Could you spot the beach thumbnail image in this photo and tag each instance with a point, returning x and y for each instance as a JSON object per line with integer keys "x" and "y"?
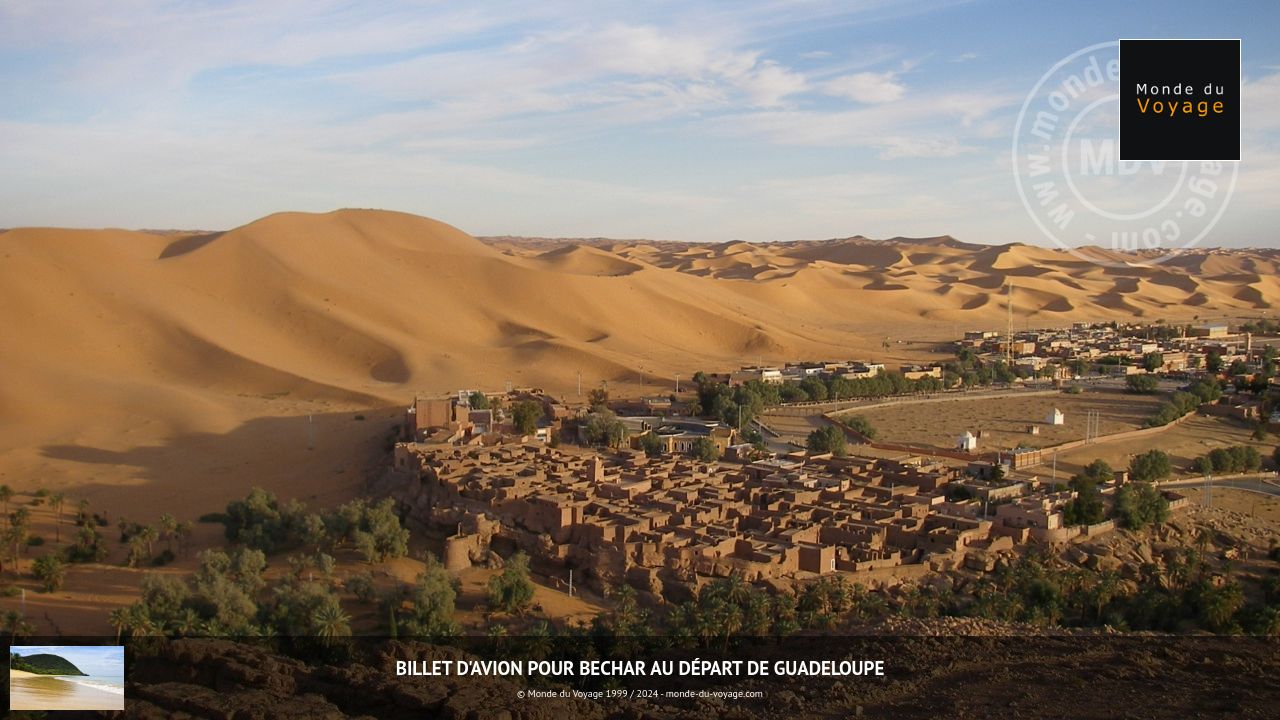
{"x": 66, "y": 677}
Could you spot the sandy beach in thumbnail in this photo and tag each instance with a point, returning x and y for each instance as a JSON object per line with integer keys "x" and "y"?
{"x": 28, "y": 691}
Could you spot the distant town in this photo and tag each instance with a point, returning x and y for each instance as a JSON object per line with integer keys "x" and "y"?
{"x": 660, "y": 491}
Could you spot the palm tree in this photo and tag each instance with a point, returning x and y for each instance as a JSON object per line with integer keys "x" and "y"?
{"x": 55, "y": 501}
{"x": 168, "y": 529}
{"x": 121, "y": 619}
{"x": 187, "y": 622}
{"x": 183, "y": 533}
{"x": 18, "y": 524}
{"x": 137, "y": 550}
{"x": 16, "y": 624}
{"x": 140, "y": 622}
{"x": 6, "y": 494}
{"x": 538, "y": 642}
{"x": 330, "y": 621}
{"x": 149, "y": 535}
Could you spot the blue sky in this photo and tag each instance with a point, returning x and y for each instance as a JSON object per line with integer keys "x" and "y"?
{"x": 668, "y": 120}
{"x": 105, "y": 660}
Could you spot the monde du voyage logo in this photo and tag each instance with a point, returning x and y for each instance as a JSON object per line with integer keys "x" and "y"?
{"x": 1129, "y": 145}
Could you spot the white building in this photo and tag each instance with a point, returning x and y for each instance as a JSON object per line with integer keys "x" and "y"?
{"x": 968, "y": 442}
{"x": 1056, "y": 417}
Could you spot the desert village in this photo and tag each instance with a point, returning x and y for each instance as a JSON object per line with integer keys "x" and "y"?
{"x": 660, "y": 521}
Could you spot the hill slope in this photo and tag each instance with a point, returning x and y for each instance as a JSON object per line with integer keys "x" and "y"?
{"x": 43, "y": 664}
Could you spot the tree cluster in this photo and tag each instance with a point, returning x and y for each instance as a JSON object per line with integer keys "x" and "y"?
{"x": 1182, "y": 403}
{"x": 1234, "y": 459}
{"x": 260, "y": 521}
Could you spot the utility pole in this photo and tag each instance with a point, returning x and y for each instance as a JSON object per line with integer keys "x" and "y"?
{"x": 579, "y": 383}
{"x": 677, "y": 383}
{"x": 311, "y": 432}
{"x": 570, "y": 582}
{"x": 1008, "y": 337}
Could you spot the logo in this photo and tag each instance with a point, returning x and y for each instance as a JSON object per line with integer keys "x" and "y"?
{"x": 1071, "y": 180}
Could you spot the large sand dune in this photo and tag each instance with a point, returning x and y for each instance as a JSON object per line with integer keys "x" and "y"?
{"x": 174, "y": 368}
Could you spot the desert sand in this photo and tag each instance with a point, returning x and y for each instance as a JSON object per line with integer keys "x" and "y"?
{"x": 170, "y": 372}
{"x": 28, "y": 691}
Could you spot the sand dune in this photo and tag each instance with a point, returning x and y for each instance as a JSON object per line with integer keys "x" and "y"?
{"x": 144, "y": 361}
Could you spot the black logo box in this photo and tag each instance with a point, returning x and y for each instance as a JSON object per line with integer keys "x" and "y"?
{"x": 1186, "y": 69}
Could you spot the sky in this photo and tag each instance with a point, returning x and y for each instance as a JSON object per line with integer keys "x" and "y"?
{"x": 105, "y": 660}
{"x": 705, "y": 121}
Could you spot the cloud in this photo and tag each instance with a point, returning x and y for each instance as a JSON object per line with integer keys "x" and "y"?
{"x": 867, "y": 87}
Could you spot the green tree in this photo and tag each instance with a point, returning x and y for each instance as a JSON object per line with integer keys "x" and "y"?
{"x": 168, "y": 527}
{"x": 1142, "y": 384}
{"x": 478, "y": 401}
{"x": 1150, "y": 466}
{"x": 598, "y": 398}
{"x": 1140, "y": 504}
{"x": 525, "y": 415}
{"x": 329, "y": 621}
{"x": 1152, "y": 361}
{"x": 183, "y": 532}
{"x": 705, "y": 450}
{"x": 56, "y": 501}
{"x": 511, "y": 591}
{"x": 862, "y": 425}
{"x": 6, "y": 494}
{"x": 651, "y": 444}
{"x": 361, "y": 585}
{"x": 604, "y": 428}
{"x": 827, "y": 438}
{"x": 1086, "y": 508}
{"x": 120, "y": 620}
{"x": 50, "y": 571}
{"x": 432, "y": 598}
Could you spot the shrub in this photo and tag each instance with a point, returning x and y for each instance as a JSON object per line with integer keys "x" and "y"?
{"x": 215, "y": 518}
{"x": 1142, "y": 384}
{"x": 862, "y": 425}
